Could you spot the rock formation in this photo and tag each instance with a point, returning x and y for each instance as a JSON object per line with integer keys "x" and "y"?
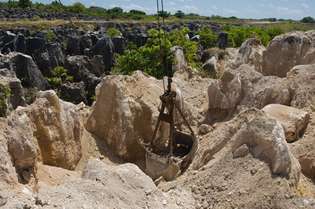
{"x": 286, "y": 51}
{"x": 251, "y": 53}
{"x": 294, "y": 121}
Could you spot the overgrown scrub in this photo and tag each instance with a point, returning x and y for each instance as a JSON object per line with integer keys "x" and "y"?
{"x": 238, "y": 34}
{"x": 50, "y": 36}
{"x": 208, "y": 38}
{"x": 113, "y": 32}
{"x": 59, "y": 76}
{"x": 4, "y": 96}
{"x": 148, "y": 57}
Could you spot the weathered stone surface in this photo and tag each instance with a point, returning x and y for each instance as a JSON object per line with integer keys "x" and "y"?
{"x": 286, "y": 51}
{"x": 130, "y": 115}
{"x": 58, "y": 130}
{"x": 22, "y": 145}
{"x": 123, "y": 186}
{"x": 179, "y": 57}
{"x": 242, "y": 163}
{"x": 251, "y": 53}
{"x": 266, "y": 140}
{"x": 73, "y": 92}
{"x": 210, "y": 67}
{"x": 224, "y": 95}
{"x": 7, "y": 170}
{"x": 264, "y": 137}
{"x": 293, "y": 121}
{"x": 27, "y": 71}
{"x": 82, "y": 69}
{"x": 105, "y": 47}
{"x": 8, "y": 79}
{"x": 243, "y": 88}
{"x": 302, "y": 83}
{"x": 49, "y": 130}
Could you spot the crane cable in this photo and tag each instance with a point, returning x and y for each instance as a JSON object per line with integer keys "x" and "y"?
{"x": 162, "y": 43}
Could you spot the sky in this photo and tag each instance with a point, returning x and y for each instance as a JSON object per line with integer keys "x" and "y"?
{"x": 288, "y": 9}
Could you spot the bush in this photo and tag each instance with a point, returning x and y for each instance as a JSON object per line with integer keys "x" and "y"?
{"x": 148, "y": 57}
{"x": 164, "y": 14}
{"x": 4, "y": 95}
{"x": 237, "y": 35}
{"x": 308, "y": 20}
{"x": 77, "y": 8}
{"x": 208, "y": 38}
{"x": 179, "y": 14}
{"x": 178, "y": 38}
{"x": 115, "y": 12}
{"x": 59, "y": 76}
{"x": 50, "y": 36}
{"x": 56, "y": 6}
{"x": 113, "y": 32}
{"x": 12, "y": 4}
{"x": 136, "y": 12}
{"x": 24, "y": 3}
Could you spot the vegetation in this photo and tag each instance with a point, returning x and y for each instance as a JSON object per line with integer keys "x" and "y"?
{"x": 238, "y": 34}
{"x": 208, "y": 38}
{"x": 59, "y": 76}
{"x": 24, "y": 3}
{"x": 179, "y": 14}
{"x": 148, "y": 58}
{"x": 50, "y": 36}
{"x": 77, "y": 8}
{"x": 308, "y": 20}
{"x": 113, "y": 32}
{"x": 4, "y": 95}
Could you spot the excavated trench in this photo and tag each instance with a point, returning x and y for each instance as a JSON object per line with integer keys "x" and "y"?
{"x": 160, "y": 164}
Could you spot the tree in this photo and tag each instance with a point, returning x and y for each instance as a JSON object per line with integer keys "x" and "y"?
{"x": 77, "y": 8}
{"x": 179, "y": 14}
{"x": 25, "y": 3}
{"x": 115, "y": 10}
{"x": 137, "y": 12}
{"x": 164, "y": 14}
{"x": 308, "y": 20}
{"x": 12, "y": 4}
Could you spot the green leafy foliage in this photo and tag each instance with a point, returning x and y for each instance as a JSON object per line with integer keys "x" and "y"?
{"x": 136, "y": 12}
{"x": 50, "y": 36}
{"x": 148, "y": 57}
{"x": 4, "y": 95}
{"x": 208, "y": 38}
{"x": 113, "y": 32}
{"x": 179, "y": 14}
{"x": 308, "y": 20}
{"x": 239, "y": 34}
{"x": 59, "y": 76}
{"x": 164, "y": 14}
{"x": 178, "y": 38}
{"x": 77, "y": 8}
{"x": 24, "y": 3}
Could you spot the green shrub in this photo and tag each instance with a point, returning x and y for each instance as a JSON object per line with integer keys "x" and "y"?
{"x": 178, "y": 38}
{"x": 308, "y": 20}
{"x": 238, "y": 34}
{"x": 4, "y": 95}
{"x": 77, "y": 8}
{"x": 136, "y": 12}
{"x": 24, "y": 3}
{"x": 148, "y": 57}
{"x": 113, "y": 32}
{"x": 179, "y": 14}
{"x": 59, "y": 76}
{"x": 50, "y": 36}
{"x": 208, "y": 38}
